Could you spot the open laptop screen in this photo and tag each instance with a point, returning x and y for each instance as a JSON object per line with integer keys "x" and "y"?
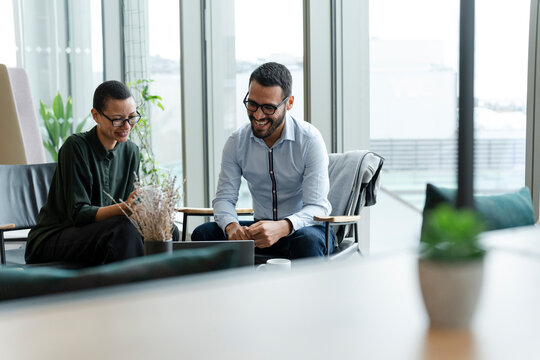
{"x": 246, "y": 248}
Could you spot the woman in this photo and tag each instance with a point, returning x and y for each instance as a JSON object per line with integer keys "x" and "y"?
{"x": 79, "y": 223}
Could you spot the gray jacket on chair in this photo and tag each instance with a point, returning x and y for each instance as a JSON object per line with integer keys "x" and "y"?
{"x": 354, "y": 183}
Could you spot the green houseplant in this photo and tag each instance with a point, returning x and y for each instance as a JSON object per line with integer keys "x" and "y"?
{"x": 451, "y": 234}
{"x": 141, "y": 133}
{"x": 451, "y": 265}
{"x": 58, "y": 124}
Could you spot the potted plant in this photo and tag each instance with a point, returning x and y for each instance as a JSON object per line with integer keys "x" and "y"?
{"x": 142, "y": 134}
{"x": 58, "y": 124}
{"x": 451, "y": 265}
{"x": 153, "y": 213}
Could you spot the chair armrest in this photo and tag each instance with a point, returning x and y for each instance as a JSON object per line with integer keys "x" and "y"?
{"x": 7, "y": 226}
{"x": 337, "y": 219}
{"x": 208, "y": 211}
{"x": 195, "y": 211}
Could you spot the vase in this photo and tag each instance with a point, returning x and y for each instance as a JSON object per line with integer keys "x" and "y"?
{"x": 450, "y": 290}
{"x": 158, "y": 247}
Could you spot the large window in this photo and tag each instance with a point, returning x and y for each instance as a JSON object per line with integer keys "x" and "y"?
{"x": 245, "y": 34}
{"x": 164, "y": 69}
{"x": 8, "y": 49}
{"x": 60, "y": 50}
{"x": 414, "y": 70}
{"x": 501, "y": 94}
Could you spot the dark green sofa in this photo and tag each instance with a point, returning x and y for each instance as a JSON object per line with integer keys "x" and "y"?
{"x": 19, "y": 282}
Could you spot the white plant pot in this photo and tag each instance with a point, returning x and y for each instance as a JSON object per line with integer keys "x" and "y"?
{"x": 451, "y": 290}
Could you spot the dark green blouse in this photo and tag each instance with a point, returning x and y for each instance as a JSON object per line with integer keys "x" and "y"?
{"x": 85, "y": 171}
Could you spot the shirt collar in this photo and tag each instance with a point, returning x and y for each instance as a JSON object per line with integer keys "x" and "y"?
{"x": 98, "y": 146}
{"x": 288, "y": 130}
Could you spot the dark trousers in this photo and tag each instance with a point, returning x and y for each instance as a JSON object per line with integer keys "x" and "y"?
{"x": 305, "y": 242}
{"x": 101, "y": 242}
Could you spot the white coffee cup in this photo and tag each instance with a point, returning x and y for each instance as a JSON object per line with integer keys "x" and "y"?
{"x": 276, "y": 264}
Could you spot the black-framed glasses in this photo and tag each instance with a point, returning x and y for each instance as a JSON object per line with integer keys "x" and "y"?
{"x": 132, "y": 120}
{"x": 267, "y": 109}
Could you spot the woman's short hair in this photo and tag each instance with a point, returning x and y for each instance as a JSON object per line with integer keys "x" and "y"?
{"x": 111, "y": 89}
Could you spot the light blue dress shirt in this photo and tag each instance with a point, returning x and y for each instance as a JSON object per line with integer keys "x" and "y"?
{"x": 296, "y": 168}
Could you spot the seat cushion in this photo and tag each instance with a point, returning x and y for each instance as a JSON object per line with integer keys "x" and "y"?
{"x": 498, "y": 211}
{"x": 18, "y": 282}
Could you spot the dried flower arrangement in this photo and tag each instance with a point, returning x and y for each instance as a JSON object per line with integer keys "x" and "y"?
{"x": 153, "y": 212}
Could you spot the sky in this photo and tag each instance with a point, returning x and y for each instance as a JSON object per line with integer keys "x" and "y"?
{"x": 261, "y": 28}
{"x": 502, "y": 32}
{"x": 264, "y": 28}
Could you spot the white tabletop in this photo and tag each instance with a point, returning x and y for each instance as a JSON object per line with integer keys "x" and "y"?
{"x": 524, "y": 240}
{"x": 369, "y": 309}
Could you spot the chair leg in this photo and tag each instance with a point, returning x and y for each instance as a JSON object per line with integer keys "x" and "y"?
{"x": 327, "y": 238}
{"x": 184, "y": 227}
{"x": 356, "y": 238}
{"x": 3, "y": 249}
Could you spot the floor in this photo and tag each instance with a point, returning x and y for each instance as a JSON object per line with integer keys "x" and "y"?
{"x": 394, "y": 225}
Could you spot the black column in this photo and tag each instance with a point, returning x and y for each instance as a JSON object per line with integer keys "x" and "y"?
{"x": 466, "y": 105}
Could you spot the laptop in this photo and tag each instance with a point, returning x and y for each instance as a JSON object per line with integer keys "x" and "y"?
{"x": 246, "y": 248}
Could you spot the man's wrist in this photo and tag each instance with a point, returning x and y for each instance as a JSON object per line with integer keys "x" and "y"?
{"x": 290, "y": 226}
{"x": 228, "y": 227}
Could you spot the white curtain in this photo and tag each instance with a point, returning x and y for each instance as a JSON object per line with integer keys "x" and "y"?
{"x": 136, "y": 54}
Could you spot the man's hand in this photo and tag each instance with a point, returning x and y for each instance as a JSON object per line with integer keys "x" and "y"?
{"x": 267, "y": 233}
{"x": 237, "y": 232}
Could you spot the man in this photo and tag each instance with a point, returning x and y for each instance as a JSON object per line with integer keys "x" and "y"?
{"x": 285, "y": 163}
{"x": 79, "y": 223}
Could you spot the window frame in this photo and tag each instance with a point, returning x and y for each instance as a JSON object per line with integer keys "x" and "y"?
{"x": 532, "y": 152}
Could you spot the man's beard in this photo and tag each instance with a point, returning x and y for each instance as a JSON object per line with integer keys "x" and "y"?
{"x": 274, "y": 124}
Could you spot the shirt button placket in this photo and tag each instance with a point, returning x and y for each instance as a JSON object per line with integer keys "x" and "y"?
{"x": 273, "y": 179}
{"x": 106, "y": 179}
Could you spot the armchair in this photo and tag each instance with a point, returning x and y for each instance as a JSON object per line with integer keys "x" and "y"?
{"x": 354, "y": 183}
{"x": 23, "y": 192}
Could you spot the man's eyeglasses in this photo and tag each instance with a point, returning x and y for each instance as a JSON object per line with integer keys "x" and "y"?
{"x": 132, "y": 120}
{"x": 267, "y": 109}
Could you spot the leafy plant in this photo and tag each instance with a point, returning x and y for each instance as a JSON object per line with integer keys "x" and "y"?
{"x": 58, "y": 124}
{"x": 451, "y": 234}
{"x": 141, "y": 133}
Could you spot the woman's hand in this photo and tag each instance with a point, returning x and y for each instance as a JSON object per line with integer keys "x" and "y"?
{"x": 132, "y": 201}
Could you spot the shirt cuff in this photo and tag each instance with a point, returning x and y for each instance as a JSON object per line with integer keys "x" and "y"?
{"x": 295, "y": 222}
{"x": 226, "y": 220}
{"x": 292, "y": 225}
{"x": 86, "y": 215}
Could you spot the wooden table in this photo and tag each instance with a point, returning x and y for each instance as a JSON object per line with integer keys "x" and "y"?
{"x": 359, "y": 309}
